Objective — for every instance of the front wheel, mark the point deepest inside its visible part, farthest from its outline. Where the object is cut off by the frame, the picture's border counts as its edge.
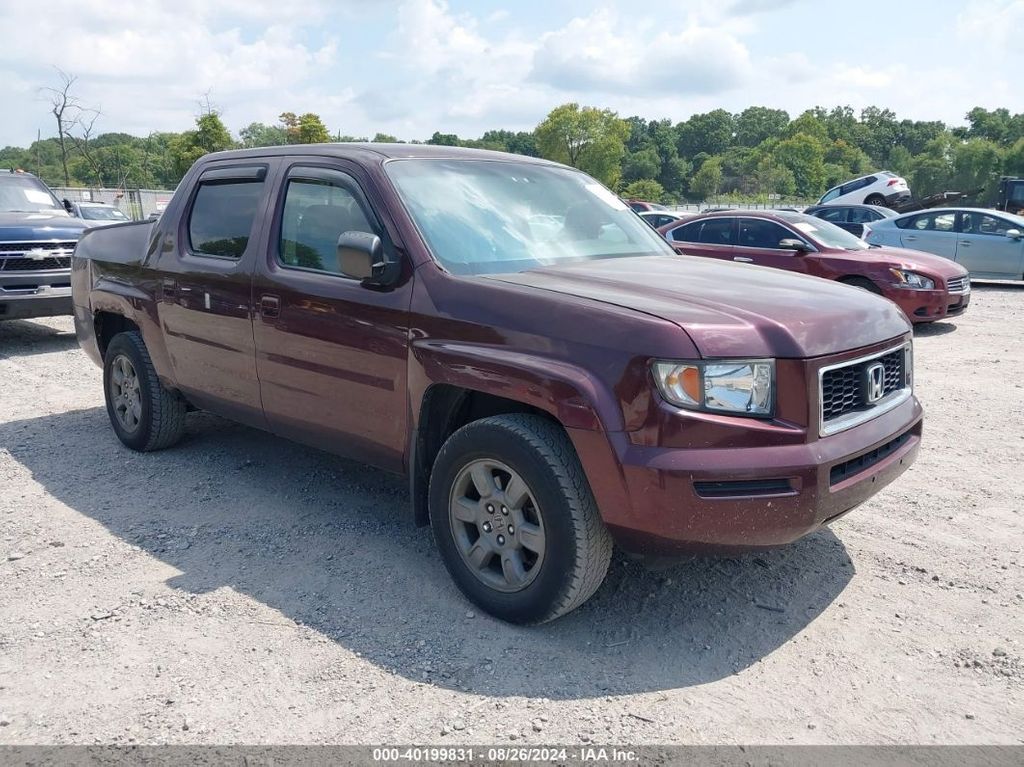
(144, 414)
(515, 520)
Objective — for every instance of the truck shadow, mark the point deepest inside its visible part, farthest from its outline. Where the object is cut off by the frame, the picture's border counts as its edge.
(19, 338)
(329, 544)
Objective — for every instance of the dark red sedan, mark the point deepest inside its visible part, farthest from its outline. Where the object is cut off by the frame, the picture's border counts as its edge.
(925, 287)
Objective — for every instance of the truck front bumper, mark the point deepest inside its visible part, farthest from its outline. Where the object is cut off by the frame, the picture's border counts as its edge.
(52, 302)
(678, 501)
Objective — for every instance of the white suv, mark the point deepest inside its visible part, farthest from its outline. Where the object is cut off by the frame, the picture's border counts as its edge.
(882, 188)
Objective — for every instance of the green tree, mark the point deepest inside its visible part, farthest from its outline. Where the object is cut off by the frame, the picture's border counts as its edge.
(810, 123)
(710, 133)
(644, 189)
(385, 138)
(756, 124)
(707, 181)
(444, 139)
(1014, 161)
(642, 164)
(772, 178)
(259, 134)
(210, 135)
(804, 155)
(976, 165)
(307, 128)
(587, 138)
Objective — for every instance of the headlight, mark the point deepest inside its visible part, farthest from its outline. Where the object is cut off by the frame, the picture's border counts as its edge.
(912, 280)
(740, 387)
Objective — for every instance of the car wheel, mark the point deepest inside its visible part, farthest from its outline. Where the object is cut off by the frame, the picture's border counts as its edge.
(144, 414)
(862, 282)
(875, 199)
(515, 521)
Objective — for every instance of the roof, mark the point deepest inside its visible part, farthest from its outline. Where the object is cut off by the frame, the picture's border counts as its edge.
(367, 151)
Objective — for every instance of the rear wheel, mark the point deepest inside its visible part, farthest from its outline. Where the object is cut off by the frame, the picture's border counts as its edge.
(144, 414)
(875, 199)
(515, 521)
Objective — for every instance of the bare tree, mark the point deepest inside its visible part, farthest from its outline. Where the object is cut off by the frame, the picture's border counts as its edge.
(85, 120)
(66, 110)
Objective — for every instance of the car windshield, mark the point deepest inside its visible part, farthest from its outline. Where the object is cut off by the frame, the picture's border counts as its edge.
(24, 194)
(489, 217)
(826, 233)
(103, 214)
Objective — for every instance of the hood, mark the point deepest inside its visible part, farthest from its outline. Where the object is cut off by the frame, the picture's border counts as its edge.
(927, 264)
(40, 226)
(732, 310)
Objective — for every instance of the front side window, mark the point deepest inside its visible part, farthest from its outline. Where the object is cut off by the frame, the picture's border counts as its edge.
(758, 233)
(716, 231)
(222, 215)
(317, 211)
(863, 216)
(982, 223)
(489, 217)
(834, 215)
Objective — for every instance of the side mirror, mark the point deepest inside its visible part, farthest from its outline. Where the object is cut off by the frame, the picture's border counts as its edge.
(1014, 234)
(68, 206)
(791, 243)
(361, 256)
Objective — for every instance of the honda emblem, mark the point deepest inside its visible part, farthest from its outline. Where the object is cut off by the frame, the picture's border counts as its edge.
(875, 382)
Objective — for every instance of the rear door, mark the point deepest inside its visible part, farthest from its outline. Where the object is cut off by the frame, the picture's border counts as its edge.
(331, 354)
(205, 273)
(933, 232)
(709, 237)
(983, 247)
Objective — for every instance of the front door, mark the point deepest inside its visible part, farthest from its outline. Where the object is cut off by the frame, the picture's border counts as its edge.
(758, 242)
(205, 287)
(984, 249)
(331, 354)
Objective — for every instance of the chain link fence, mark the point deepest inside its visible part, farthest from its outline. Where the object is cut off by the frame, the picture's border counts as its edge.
(137, 204)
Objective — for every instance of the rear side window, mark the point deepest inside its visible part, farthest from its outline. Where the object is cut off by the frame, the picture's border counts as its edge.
(831, 194)
(222, 215)
(835, 215)
(717, 231)
(317, 211)
(686, 233)
(929, 222)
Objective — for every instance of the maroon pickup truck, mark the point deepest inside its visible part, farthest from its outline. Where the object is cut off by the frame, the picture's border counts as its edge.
(504, 331)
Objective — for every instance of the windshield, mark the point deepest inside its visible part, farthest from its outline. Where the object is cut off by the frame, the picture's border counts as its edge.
(487, 217)
(24, 194)
(103, 214)
(825, 232)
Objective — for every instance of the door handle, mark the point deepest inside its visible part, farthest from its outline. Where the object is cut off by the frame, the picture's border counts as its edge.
(743, 258)
(910, 238)
(965, 243)
(270, 306)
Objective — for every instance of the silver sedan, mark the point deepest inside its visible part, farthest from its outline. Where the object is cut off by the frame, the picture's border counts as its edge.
(988, 243)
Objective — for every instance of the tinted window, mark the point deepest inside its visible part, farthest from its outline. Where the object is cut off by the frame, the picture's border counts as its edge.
(222, 216)
(758, 233)
(716, 231)
(831, 194)
(982, 223)
(686, 233)
(862, 216)
(316, 213)
(832, 214)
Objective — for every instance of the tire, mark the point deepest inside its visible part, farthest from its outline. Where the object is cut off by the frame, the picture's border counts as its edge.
(145, 416)
(552, 496)
(875, 199)
(862, 282)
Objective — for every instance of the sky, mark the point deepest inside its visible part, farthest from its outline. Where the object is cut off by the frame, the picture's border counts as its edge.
(412, 67)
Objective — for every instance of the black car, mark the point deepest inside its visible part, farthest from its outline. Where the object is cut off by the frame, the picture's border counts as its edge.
(856, 219)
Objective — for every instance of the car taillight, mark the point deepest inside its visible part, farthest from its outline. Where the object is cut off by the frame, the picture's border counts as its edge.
(895, 181)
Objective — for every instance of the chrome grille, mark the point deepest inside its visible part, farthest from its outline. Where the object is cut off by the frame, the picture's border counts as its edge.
(845, 389)
(959, 285)
(34, 256)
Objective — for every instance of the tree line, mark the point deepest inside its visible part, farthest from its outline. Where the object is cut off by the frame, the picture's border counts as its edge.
(758, 154)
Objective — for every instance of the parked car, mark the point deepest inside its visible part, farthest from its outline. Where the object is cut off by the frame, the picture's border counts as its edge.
(926, 288)
(547, 392)
(99, 214)
(855, 219)
(658, 218)
(990, 244)
(37, 237)
(882, 188)
(641, 205)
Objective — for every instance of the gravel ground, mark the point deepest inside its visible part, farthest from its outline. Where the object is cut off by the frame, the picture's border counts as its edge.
(242, 589)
